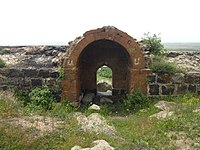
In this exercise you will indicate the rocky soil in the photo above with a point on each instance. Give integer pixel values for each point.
(32, 56)
(190, 61)
(42, 124)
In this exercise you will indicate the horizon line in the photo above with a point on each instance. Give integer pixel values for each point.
(62, 44)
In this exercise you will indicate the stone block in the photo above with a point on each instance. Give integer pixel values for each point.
(192, 78)
(151, 78)
(27, 82)
(116, 92)
(192, 88)
(154, 89)
(4, 72)
(15, 81)
(3, 80)
(30, 73)
(166, 78)
(54, 74)
(181, 88)
(50, 82)
(4, 87)
(43, 73)
(15, 73)
(178, 78)
(167, 89)
(36, 82)
(198, 89)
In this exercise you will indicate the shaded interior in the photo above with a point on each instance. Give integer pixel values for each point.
(97, 54)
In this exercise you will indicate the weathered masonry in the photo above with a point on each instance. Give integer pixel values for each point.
(82, 58)
(105, 46)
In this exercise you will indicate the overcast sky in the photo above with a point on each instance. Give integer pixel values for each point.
(36, 22)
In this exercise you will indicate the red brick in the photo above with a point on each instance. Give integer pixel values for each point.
(105, 46)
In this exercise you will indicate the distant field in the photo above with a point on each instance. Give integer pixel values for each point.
(182, 46)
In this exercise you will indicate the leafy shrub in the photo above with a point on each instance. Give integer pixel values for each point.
(105, 72)
(133, 100)
(107, 109)
(22, 96)
(41, 97)
(153, 43)
(161, 67)
(2, 63)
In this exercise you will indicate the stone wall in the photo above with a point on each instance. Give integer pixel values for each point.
(44, 61)
(159, 85)
(174, 84)
(190, 61)
(27, 79)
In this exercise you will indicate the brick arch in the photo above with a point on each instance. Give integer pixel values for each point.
(106, 33)
(134, 71)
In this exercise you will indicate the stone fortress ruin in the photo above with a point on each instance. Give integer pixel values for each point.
(105, 46)
(31, 66)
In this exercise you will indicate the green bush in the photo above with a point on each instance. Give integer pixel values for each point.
(105, 72)
(2, 63)
(135, 99)
(160, 66)
(41, 97)
(153, 43)
(22, 96)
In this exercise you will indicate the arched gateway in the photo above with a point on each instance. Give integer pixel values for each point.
(104, 46)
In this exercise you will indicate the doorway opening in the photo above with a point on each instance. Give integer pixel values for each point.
(104, 80)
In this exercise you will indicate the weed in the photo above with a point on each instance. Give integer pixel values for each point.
(153, 43)
(106, 109)
(12, 137)
(8, 104)
(161, 67)
(2, 63)
(61, 73)
(133, 100)
(3, 51)
(41, 97)
(62, 109)
(22, 96)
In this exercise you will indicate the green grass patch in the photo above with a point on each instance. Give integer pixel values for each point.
(12, 137)
(139, 128)
(8, 105)
(2, 63)
(160, 66)
(135, 129)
